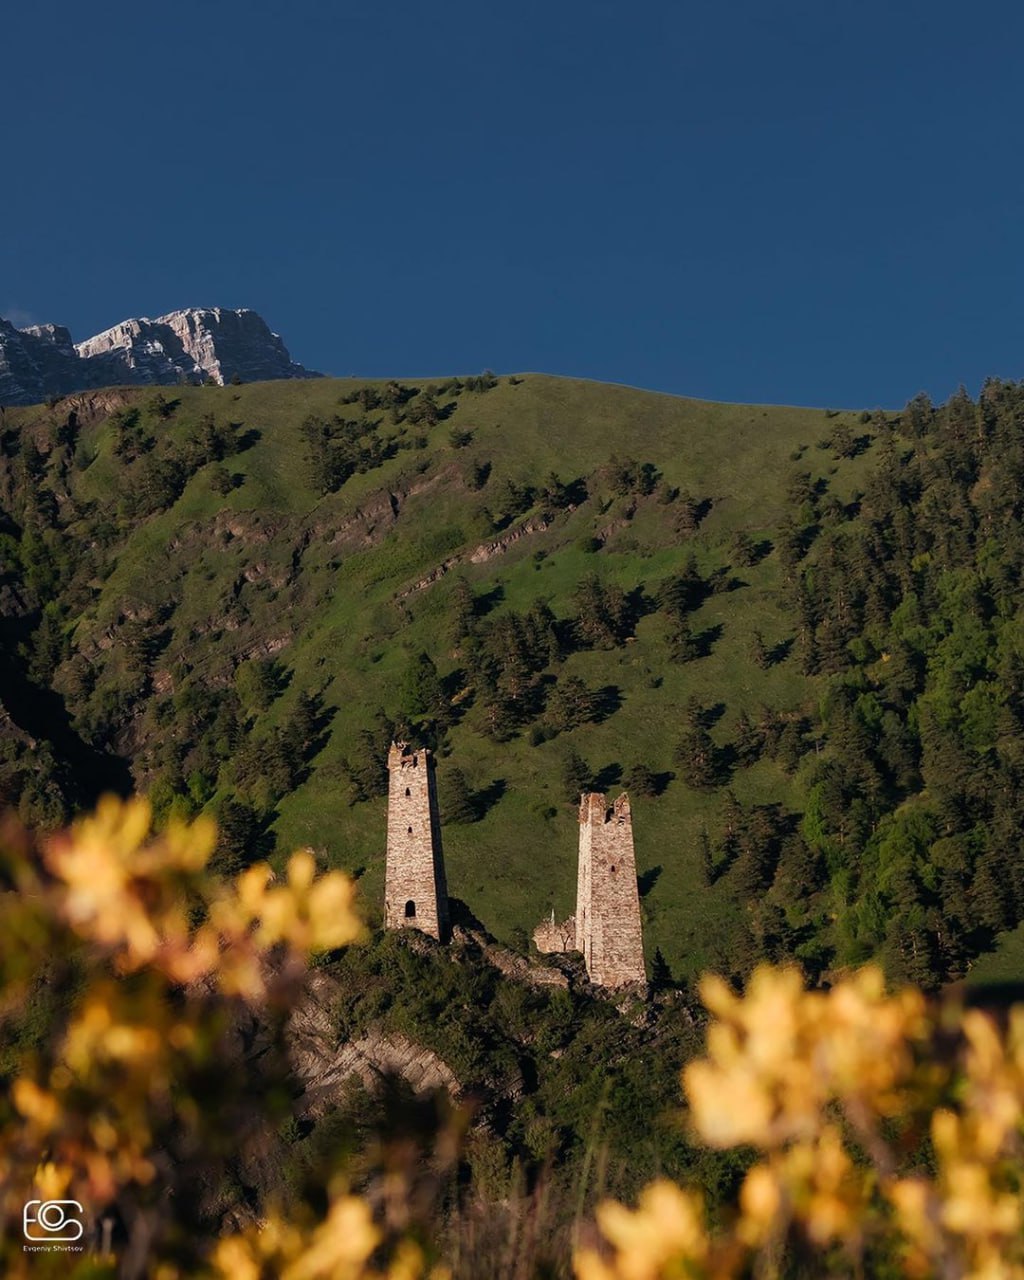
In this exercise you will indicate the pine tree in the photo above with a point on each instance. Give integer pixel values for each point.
(257, 684)
(300, 728)
(458, 802)
(682, 644)
(687, 517)
(422, 693)
(749, 742)
(743, 549)
(641, 781)
(576, 776)
(661, 974)
(602, 613)
(571, 704)
(697, 757)
(988, 897)
(760, 653)
(238, 831)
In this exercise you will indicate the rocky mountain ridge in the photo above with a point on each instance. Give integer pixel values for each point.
(197, 344)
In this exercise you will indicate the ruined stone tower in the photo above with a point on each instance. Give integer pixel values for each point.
(606, 926)
(415, 892)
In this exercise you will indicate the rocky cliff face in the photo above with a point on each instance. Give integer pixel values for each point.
(35, 363)
(185, 346)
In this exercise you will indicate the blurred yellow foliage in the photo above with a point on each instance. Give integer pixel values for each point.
(840, 1093)
(157, 958)
(339, 1248)
(881, 1131)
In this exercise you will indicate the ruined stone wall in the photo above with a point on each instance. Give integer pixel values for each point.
(415, 890)
(608, 929)
(552, 937)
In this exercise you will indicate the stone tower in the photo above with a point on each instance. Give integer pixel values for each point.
(415, 892)
(608, 928)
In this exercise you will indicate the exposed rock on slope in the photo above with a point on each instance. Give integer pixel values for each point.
(184, 346)
(324, 1065)
(199, 342)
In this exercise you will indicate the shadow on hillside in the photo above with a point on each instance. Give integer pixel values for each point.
(660, 781)
(726, 762)
(762, 550)
(710, 716)
(705, 641)
(486, 601)
(995, 996)
(460, 916)
(42, 714)
(780, 652)
(646, 882)
(487, 797)
(249, 437)
(607, 701)
(609, 776)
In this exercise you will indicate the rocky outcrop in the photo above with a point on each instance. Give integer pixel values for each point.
(35, 363)
(481, 554)
(195, 345)
(324, 1066)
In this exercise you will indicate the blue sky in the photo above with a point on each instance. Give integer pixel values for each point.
(803, 202)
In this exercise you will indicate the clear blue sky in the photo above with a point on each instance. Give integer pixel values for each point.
(807, 202)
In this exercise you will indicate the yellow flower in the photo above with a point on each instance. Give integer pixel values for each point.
(589, 1265)
(760, 1203)
(828, 1194)
(339, 1246)
(972, 1206)
(667, 1226)
(52, 1180)
(729, 1108)
(35, 1104)
(235, 1257)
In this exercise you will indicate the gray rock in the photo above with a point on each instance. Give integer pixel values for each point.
(34, 363)
(194, 345)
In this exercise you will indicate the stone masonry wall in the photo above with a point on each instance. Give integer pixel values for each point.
(551, 937)
(415, 890)
(608, 929)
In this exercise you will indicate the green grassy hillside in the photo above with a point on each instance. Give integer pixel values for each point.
(226, 586)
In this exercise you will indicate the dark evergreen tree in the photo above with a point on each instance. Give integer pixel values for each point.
(458, 804)
(743, 549)
(571, 704)
(697, 756)
(576, 776)
(238, 832)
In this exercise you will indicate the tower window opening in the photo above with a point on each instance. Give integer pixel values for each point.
(410, 910)
(410, 830)
(613, 868)
(408, 792)
(415, 762)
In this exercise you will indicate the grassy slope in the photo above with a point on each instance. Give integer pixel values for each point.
(351, 635)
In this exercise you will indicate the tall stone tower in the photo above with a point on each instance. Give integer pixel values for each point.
(608, 928)
(415, 891)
